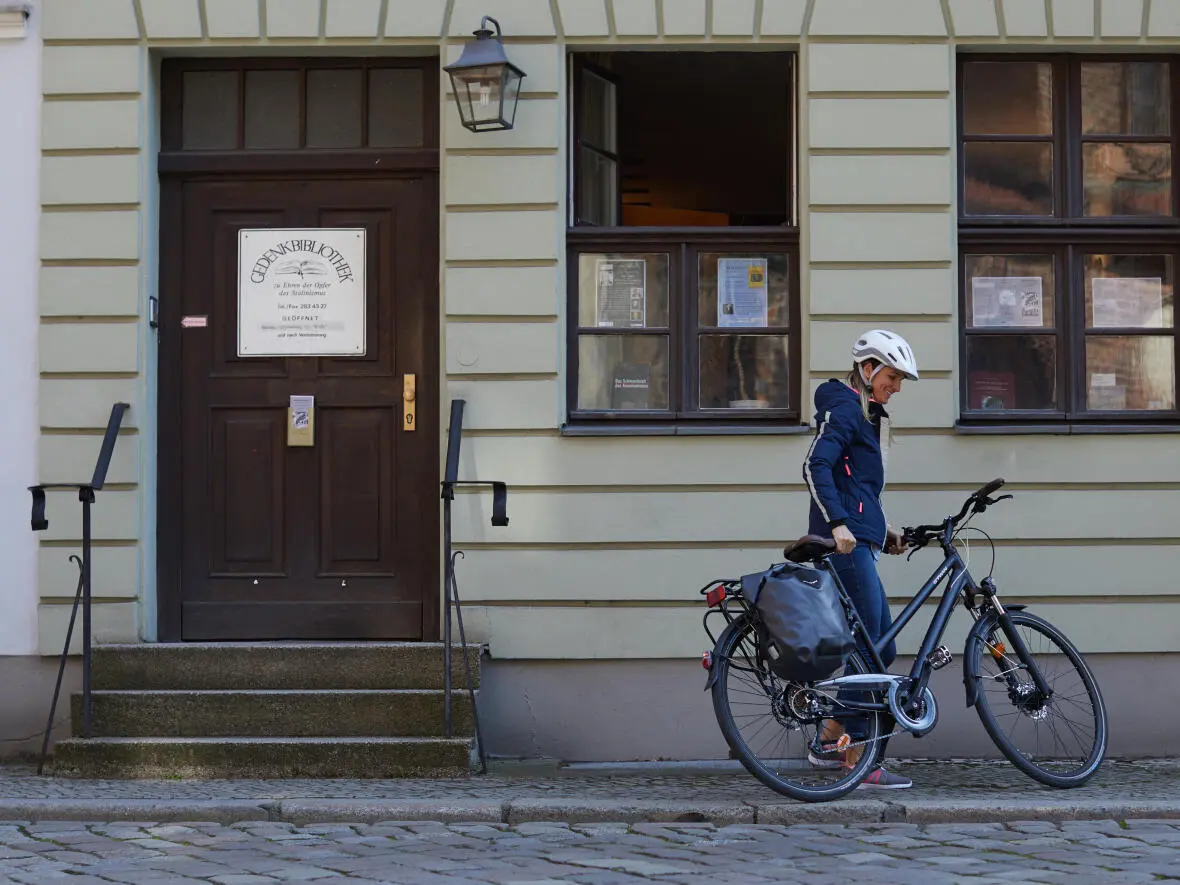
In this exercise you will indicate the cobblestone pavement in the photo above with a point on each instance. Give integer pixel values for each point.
(1091, 853)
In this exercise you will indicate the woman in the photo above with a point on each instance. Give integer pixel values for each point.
(845, 472)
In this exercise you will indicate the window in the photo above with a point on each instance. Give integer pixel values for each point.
(683, 248)
(1068, 240)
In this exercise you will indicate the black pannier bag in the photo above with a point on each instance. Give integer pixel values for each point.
(803, 633)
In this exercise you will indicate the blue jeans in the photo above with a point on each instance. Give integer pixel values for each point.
(858, 573)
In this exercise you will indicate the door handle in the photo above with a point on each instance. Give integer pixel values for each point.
(409, 394)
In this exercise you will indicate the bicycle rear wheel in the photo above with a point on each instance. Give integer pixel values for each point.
(1059, 742)
(772, 725)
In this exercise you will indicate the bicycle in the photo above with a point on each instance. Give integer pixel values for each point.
(1012, 658)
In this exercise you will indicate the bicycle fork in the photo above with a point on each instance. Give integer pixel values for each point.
(988, 623)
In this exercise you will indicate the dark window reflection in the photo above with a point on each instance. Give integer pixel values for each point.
(1008, 178)
(1011, 372)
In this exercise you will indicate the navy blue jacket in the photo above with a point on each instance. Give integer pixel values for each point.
(844, 469)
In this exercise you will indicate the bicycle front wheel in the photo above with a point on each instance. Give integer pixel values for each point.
(1059, 741)
(773, 726)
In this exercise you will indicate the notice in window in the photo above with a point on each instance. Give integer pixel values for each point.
(631, 386)
(622, 293)
(1007, 301)
(741, 293)
(992, 391)
(1122, 303)
(1106, 393)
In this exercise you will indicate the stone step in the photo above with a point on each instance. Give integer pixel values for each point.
(278, 665)
(274, 713)
(281, 757)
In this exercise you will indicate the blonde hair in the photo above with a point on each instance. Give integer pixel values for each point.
(857, 382)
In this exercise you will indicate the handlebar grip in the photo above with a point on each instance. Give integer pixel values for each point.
(989, 488)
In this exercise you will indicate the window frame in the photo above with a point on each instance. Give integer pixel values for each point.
(683, 246)
(1068, 236)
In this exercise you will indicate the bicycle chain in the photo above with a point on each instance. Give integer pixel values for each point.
(883, 737)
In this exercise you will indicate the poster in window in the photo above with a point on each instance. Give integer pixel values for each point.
(301, 292)
(631, 386)
(991, 391)
(1007, 301)
(741, 293)
(621, 293)
(1128, 302)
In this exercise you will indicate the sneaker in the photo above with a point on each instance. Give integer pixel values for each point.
(831, 756)
(880, 779)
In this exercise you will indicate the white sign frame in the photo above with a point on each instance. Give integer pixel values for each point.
(324, 316)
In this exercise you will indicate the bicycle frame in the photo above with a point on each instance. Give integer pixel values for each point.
(953, 570)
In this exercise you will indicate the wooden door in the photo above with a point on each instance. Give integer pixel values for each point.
(338, 540)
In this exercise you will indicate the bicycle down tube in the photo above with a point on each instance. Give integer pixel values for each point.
(952, 565)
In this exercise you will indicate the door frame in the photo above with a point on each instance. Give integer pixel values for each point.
(175, 167)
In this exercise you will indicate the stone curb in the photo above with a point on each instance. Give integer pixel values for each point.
(579, 811)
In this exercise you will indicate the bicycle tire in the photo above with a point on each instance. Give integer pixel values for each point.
(727, 644)
(991, 720)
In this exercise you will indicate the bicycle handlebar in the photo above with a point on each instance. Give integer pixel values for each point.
(977, 502)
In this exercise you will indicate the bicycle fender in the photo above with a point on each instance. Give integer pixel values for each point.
(712, 678)
(987, 622)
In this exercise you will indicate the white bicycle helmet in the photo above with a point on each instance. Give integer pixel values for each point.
(887, 348)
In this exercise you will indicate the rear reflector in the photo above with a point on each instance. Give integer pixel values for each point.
(707, 660)
(714, 596)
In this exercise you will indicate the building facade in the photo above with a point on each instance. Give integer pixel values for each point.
(635, 290)
(23, 672)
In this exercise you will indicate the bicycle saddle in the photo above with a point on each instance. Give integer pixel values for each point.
(809, 548)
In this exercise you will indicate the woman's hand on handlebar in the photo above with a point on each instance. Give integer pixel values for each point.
(895, 544)
(844, 539)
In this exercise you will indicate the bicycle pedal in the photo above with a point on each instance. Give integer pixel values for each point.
(939, 658)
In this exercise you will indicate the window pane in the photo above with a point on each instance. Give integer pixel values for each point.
(1011, 372)
(395, 108)
(1007, 98)
(210, 110)
(598, 113)
(1130, 373)
(744, 372)
(755, 290)
(334, 109)
(1008, 178)
(272, 109)
(599, 200)
(623, 290)
(1128, 291)
(1010, 290)
(1127, 179)
(627, 372)
(1126, 98)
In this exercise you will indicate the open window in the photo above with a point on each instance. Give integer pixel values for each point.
(683, 246)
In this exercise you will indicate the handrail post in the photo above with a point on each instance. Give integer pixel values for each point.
(86, 495)
(454, 441)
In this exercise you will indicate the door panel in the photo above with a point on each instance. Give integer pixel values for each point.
(337, 540)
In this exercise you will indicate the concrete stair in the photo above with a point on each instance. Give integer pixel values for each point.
(272, 710)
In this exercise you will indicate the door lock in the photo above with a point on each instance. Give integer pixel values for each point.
(409, 394)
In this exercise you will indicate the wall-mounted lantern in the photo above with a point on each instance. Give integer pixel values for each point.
(14, 22)
(486, 83)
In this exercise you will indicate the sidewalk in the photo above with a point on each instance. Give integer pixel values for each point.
(943, 792)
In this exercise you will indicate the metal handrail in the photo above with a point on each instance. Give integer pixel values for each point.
(450, 583)
(82, 595)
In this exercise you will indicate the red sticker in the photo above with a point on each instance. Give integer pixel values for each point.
(194, 322)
